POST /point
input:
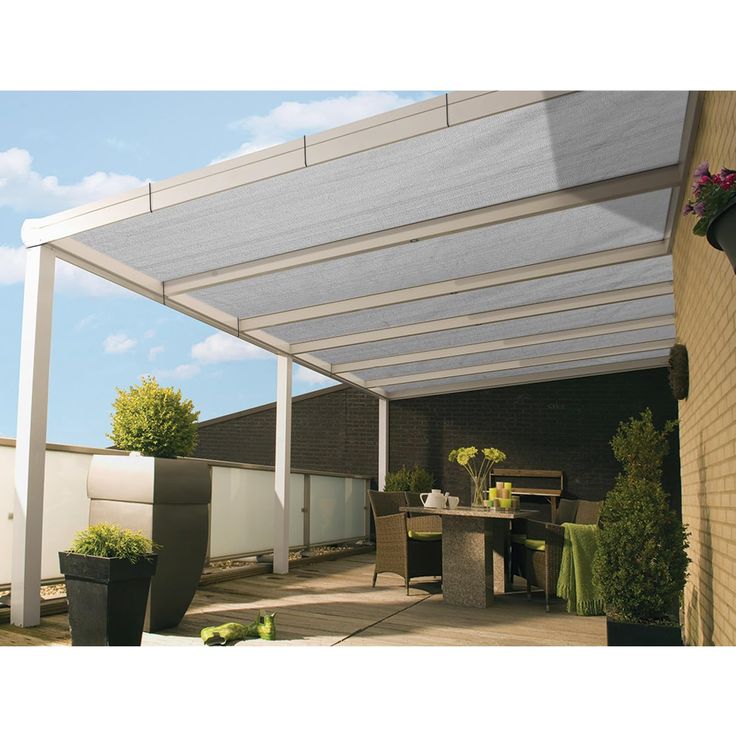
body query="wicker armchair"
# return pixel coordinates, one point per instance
(396, 551)
(544, 542)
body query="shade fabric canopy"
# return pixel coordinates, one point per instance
(473, 239)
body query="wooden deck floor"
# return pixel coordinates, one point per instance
(332, 603)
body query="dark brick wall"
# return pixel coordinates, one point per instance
(561, 425)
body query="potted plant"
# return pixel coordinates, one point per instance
(416, 480)
(640, 565)
(108, 572)
(157, 490)
(714, 197)
(465, 457)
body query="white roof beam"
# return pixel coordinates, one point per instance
(558, 267)
(506, 365)
(624, 186)
(483, 318)
(510, 342)
(687, 142)
(558, 375)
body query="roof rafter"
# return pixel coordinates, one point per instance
(509, 342)
(483, 318)
(600, 259)
(560, 375)
(548, 359)
(600, 191)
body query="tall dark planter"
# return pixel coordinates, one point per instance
(721, 232)
(167, 500)
(107, 598)
(642, 635)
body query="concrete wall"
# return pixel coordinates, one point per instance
(705, 300)
(561, 425)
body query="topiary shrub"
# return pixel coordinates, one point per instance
(110, 540)
(154, 420)
(640, 565)
(398, 481)
(421, 480)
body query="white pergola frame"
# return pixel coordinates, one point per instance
(55, 236)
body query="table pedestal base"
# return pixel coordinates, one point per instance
(473, 560)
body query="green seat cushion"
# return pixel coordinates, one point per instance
(518, 538)
(535, 544)
(425, 536)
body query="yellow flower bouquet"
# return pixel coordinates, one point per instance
(479, 468)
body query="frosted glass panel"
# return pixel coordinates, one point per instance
(338, 509)
(65, 507)
(243, 508)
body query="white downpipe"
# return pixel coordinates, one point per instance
(283, 465)
(30, 455)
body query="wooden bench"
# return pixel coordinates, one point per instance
(530, 475)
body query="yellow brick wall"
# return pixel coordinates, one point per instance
(705, 304)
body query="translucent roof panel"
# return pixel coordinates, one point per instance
(530, 351)
(556, 144)
(548, 237)
(653, 270)
(593, 364)
(651, 307)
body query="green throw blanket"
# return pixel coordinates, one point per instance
(575, 583)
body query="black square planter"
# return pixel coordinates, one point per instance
(622, 634)
(107, 598)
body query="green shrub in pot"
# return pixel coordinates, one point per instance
(154, 420)
(158, 489)
(641, 563)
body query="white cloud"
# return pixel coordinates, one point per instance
(180, 373)
(91, 320)
(291, 119)
(118, 343)
(148, 334)
(12, 265)
(69, 279)
(155, 351)
(120, 144)
(221, 347)
(24, 189)
(310, 377)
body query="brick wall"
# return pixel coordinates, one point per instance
(561, 425)
(705, 300)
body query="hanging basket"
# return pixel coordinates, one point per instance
(721, 232)
(679, 371)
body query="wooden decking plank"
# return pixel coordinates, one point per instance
(333, 602)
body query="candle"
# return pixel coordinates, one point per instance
(505, 503)
(492, 493)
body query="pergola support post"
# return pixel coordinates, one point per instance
(30, 447)
(283, 465)
(382, 442)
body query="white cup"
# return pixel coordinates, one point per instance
(453, 502)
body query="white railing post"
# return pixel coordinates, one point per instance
(382, 442)
(30, 452)
(283, 465)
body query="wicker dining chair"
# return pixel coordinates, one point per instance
(405, 547)
(544, 542)
(421, 522)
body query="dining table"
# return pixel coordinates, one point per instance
(475, 552)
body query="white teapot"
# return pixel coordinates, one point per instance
(434, 500)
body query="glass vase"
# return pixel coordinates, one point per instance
(478, 486)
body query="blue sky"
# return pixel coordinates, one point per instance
(60, 149)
